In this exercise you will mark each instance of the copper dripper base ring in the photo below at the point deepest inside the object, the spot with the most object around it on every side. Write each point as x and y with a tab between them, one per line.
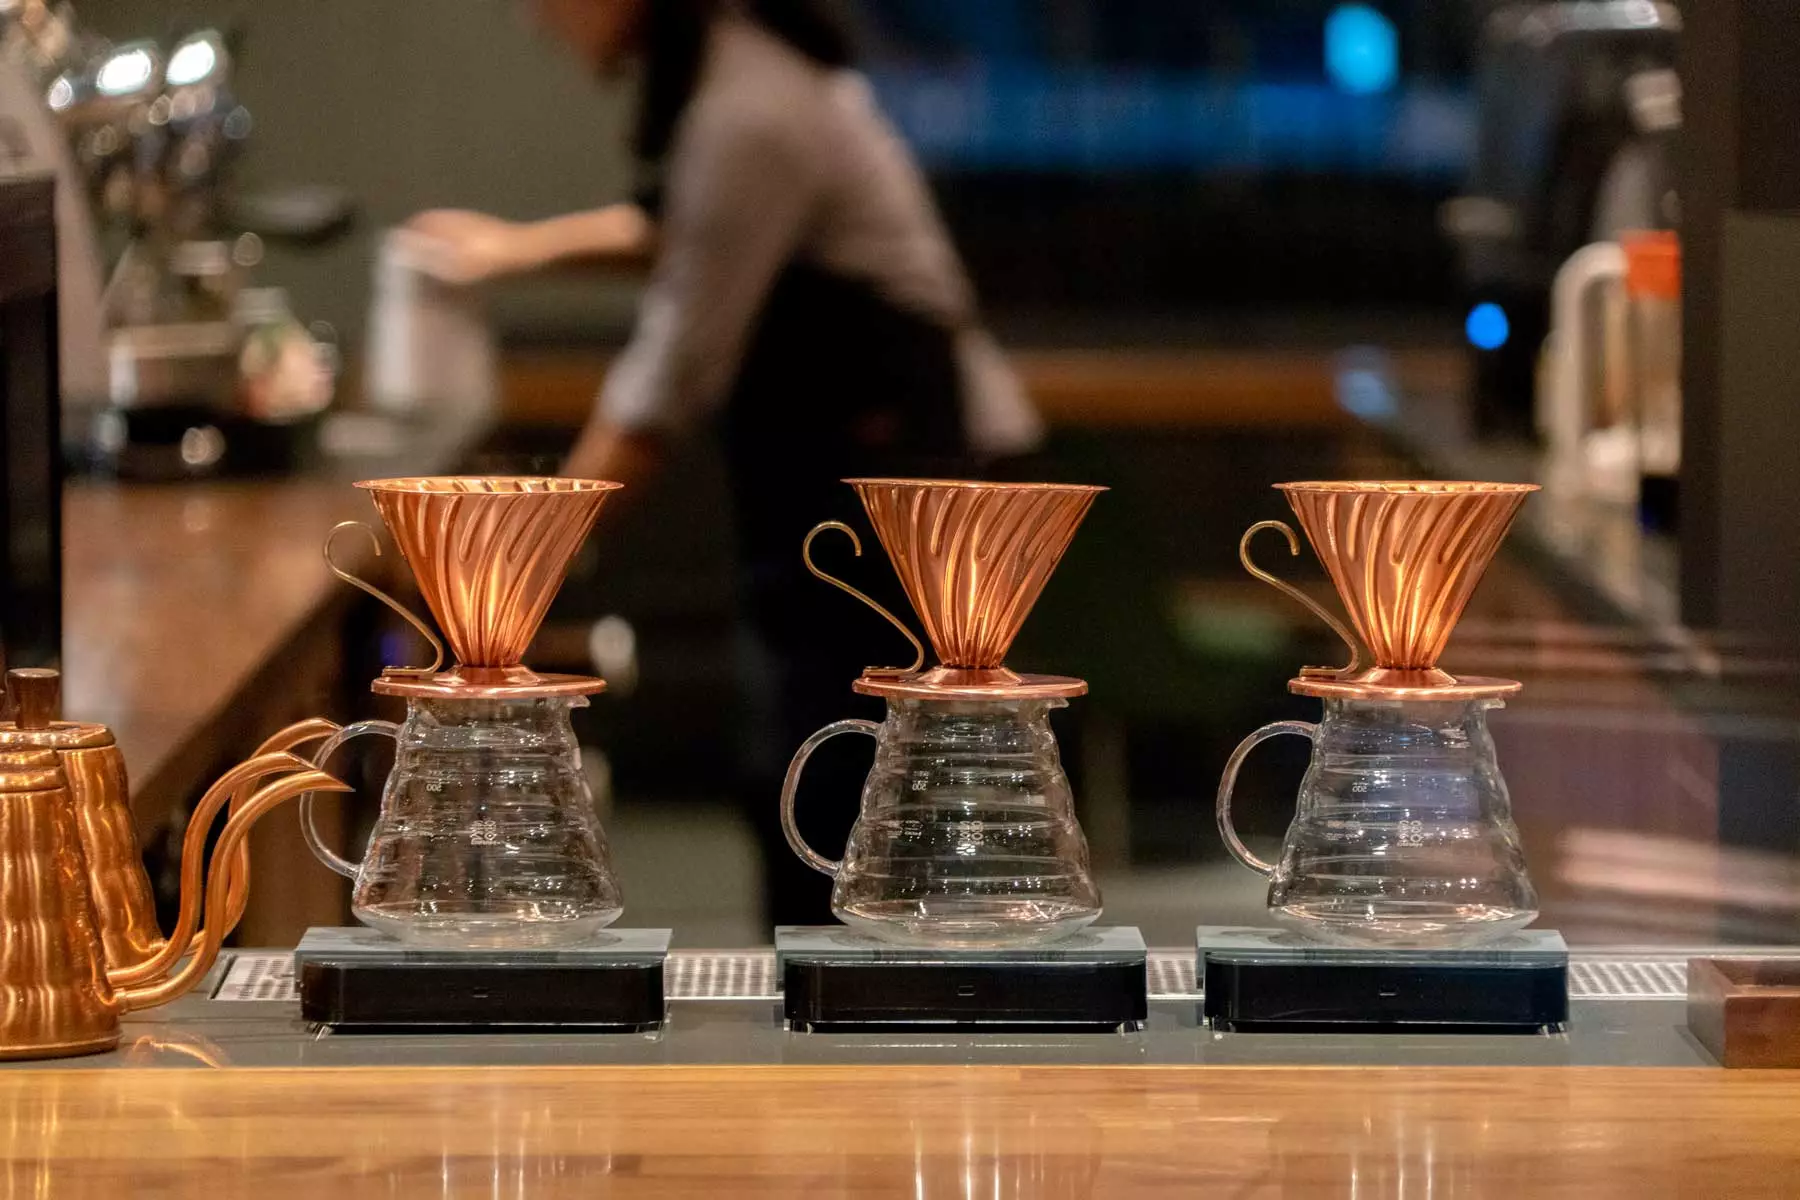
485	683
1385	683
959	683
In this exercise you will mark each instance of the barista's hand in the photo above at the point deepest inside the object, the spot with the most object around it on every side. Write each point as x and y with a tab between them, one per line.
475	246
468	247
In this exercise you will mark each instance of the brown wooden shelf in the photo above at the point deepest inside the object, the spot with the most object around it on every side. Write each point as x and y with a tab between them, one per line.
1204	389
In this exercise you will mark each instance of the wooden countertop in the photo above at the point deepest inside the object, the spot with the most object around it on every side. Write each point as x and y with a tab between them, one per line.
903	1131
176	596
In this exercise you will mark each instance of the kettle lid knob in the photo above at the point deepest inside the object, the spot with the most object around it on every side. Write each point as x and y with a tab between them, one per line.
36	694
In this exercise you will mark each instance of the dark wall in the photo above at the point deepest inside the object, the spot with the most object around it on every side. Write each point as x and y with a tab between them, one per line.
1741	254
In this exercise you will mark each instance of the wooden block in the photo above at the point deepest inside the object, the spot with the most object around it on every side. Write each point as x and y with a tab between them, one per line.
1746	1010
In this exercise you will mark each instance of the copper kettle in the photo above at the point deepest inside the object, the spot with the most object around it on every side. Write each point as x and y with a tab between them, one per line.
57	997
94	770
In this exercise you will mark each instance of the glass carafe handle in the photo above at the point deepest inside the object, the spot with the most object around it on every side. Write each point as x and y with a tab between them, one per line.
308	826
1228	781
791	786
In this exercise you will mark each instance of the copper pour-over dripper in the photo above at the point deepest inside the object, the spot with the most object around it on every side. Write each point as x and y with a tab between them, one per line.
973	558
489	554
1405	557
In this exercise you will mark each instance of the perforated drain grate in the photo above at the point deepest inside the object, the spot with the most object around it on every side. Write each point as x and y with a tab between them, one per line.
720	975
1172	975
1613	979
750	975
259	977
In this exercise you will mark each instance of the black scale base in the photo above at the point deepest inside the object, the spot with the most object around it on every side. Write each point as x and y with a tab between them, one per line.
837	981
355	980
1271	981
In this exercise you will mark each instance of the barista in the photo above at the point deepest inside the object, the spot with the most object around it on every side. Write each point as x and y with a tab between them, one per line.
803	292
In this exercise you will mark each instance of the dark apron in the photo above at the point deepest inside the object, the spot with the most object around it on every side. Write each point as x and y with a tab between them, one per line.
836	382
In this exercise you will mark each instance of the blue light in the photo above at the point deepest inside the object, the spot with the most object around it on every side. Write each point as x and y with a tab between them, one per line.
1362	50
1487	326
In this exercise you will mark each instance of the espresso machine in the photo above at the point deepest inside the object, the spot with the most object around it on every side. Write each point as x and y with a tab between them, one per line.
177	363
965	892
1400	892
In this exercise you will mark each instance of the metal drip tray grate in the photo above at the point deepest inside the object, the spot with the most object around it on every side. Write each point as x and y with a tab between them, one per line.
1172	975
254	976
721	975
1623	979
750	975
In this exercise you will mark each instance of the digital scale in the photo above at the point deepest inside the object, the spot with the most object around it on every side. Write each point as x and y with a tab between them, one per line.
355	979
1272	981
835	980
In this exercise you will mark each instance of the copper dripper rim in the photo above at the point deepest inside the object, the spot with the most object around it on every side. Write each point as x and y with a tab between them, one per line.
488	552
979	485
972	557
1382	683
1369	573
488	485
1410	487
968	683
463	682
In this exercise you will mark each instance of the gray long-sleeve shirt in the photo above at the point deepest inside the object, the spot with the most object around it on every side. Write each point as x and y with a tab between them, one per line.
776	160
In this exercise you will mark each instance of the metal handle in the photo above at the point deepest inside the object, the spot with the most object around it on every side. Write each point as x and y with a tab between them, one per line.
410	617
308	821
834	581
791	786
1228	781
1563	412
1301	598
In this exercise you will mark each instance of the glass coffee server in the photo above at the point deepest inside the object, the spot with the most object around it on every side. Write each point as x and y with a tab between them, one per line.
967	834
487	835
1403	834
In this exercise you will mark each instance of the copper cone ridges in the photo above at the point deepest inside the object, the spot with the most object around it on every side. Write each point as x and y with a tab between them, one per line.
973	557
488	553
1405	556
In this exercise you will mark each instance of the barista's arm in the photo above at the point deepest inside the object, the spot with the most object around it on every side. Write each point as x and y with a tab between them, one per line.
486	247
741	185
606	450
618	233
